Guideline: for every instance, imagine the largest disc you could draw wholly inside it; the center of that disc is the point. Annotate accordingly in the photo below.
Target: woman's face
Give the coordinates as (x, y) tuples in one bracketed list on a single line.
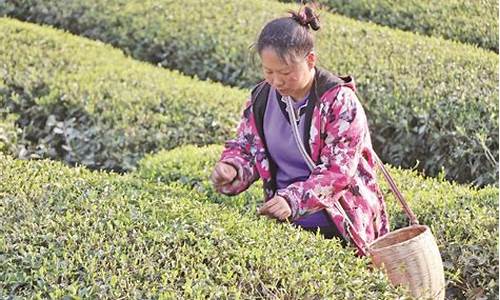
[(288, 78)]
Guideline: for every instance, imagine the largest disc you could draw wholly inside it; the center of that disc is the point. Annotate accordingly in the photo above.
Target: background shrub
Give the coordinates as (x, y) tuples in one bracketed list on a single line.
[(431, 103), (86, 103), (72, 233), (8, 130), (463, 219), (467, 21), (8, 133)]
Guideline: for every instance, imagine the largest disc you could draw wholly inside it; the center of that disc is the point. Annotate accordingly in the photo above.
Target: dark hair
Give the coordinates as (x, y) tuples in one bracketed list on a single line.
[(290, 36)]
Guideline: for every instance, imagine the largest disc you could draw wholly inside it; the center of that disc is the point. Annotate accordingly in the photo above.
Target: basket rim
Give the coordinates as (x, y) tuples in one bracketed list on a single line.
[(413, 239)]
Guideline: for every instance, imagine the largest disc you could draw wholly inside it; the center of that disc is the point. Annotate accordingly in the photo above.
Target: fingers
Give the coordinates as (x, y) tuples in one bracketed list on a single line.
[(276, 208), (280, 214), (284, 215), (222, 174), (228, 172), (265, 209)]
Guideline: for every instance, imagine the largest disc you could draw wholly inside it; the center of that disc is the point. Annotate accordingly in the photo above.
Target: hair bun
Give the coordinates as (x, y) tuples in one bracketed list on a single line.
[(307, 17), (312, 18)]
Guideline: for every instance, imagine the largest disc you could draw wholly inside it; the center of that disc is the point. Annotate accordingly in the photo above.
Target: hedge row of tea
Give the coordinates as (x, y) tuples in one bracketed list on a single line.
[(464, 220), (8, 131), (86, 103), (71, 233), (467, 21), (428, 100)]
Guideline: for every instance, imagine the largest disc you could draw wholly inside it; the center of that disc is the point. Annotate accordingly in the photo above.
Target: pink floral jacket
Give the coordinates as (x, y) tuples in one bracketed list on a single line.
[(337, 139)]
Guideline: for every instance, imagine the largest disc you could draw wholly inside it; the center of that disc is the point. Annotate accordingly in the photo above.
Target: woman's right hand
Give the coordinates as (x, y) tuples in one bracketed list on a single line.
[(222, 174)]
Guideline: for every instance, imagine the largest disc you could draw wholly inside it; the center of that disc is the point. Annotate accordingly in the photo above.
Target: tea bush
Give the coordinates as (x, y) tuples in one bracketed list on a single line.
[(8, 130), (430, 102), (68, 233), (85, 102), (463, 219), (467, 21), (8, 134)]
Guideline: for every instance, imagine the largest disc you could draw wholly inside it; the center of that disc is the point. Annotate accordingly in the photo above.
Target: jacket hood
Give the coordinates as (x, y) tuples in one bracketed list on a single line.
[(325, 80)]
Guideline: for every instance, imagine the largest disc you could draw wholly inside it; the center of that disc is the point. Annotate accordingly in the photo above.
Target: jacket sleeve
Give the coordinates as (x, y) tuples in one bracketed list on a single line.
[(345, 130), (240, 153)]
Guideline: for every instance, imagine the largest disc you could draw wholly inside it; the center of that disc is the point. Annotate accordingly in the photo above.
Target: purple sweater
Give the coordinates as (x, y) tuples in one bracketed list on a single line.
[(282, 147)]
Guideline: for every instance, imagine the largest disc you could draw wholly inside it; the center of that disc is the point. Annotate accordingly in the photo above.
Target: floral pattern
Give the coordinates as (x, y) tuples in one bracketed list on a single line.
[(345, 174)]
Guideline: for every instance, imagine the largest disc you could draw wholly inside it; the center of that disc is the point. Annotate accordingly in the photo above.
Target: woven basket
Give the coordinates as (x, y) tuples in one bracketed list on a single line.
[(410, 257)]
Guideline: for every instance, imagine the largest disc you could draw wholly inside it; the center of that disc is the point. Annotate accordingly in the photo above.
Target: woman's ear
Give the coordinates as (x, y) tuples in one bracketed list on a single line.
[(311, 59)]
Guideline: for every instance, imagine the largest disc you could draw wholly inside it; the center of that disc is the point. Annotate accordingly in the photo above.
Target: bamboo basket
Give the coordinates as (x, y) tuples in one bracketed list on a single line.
[(410, 257)]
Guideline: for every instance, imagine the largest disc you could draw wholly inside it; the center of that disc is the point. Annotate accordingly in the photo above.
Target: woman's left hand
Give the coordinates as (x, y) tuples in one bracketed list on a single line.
[(277, 208)]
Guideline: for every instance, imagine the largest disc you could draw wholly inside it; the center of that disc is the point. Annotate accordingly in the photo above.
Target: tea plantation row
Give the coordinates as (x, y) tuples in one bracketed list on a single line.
[(463, 219), (68, 233), (84, 102), (446, 119), (163, 232), (467, 21)]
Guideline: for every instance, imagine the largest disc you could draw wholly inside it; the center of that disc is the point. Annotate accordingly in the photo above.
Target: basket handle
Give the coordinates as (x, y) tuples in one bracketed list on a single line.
[(397, 193)]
